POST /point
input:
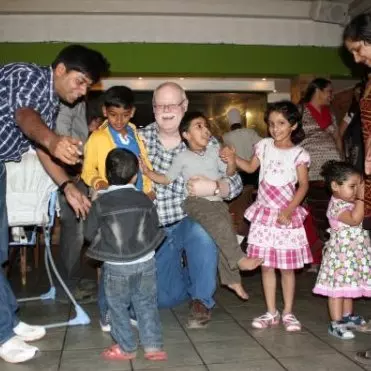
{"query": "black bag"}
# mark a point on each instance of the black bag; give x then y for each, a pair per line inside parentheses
(354, 149)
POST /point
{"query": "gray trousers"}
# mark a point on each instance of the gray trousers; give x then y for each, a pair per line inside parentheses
(71, 237)
(215, 218)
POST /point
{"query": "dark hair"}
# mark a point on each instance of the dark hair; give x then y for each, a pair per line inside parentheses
(121, 166)
(94, 103)
(358, 29)
(119, 96)
(291, 113)
(186, 122)
(87, 61)
(337, 171)
(317, 84)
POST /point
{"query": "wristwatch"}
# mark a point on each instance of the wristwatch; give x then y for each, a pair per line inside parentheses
(62, 187)
(217, 189)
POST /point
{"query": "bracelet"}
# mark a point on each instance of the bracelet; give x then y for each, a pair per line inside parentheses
(62, 187)
(360, 199)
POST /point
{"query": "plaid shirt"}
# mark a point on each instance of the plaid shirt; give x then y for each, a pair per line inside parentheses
(24, 86)
(169, 198)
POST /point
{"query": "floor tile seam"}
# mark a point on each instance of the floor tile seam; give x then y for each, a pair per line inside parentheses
(189, 338)
(64, 341)
(253, 338)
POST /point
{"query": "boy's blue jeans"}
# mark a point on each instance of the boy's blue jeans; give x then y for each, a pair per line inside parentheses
(8, 303)
(177, 283)
(133, 285)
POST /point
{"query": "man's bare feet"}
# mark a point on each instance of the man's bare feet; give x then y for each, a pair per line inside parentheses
(239, 290)
(249, 264)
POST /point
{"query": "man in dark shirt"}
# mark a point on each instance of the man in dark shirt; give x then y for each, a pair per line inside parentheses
(29, 100)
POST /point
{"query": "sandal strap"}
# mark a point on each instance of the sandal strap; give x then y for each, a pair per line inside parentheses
(290, 319)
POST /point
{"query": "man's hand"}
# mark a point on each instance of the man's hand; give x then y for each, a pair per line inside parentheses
(201, 186)
(66, 149)
(78, 201)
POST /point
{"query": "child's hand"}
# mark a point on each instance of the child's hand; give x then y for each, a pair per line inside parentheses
(101, 185)
(228, 154)
(151, 195)
(284, 217)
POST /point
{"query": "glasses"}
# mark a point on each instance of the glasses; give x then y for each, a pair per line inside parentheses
(167, 107)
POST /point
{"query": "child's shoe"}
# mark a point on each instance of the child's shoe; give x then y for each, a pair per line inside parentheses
(105, 327)
(266, 320)
(290, 322)
(339, 330)
(354, 322)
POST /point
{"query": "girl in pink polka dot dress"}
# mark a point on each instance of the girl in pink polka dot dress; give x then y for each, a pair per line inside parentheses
(276, 233)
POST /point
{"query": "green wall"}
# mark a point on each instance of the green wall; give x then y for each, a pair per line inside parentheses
(221, 60)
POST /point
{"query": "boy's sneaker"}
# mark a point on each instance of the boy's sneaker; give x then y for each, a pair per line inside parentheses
(339, 330)
(266, 320)
(107, 327)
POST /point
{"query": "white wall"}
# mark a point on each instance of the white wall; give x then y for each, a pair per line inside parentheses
(255, 22)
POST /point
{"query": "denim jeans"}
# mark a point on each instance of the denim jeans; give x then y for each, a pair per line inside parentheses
(133, 285)
(8, 303)
(197, 280)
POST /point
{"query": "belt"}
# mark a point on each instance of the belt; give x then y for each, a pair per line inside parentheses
(170, 224)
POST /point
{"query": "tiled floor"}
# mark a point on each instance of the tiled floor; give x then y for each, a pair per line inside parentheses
(228, 344)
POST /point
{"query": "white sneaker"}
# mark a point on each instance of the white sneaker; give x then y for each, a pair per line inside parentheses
(15, 350)
(28, 332)
(107, 328)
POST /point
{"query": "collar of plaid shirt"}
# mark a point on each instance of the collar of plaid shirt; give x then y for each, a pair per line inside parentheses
(168, 198)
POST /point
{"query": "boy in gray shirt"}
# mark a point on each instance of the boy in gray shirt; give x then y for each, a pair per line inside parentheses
(202, 158)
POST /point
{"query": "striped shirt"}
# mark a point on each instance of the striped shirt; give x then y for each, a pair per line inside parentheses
(24, 86)
(169, 198)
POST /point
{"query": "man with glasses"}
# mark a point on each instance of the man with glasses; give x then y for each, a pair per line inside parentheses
(187, 260)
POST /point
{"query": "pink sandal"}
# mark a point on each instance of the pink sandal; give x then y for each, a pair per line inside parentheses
(291, 323)
(266, 320)
(156, 355)
(114, 353)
